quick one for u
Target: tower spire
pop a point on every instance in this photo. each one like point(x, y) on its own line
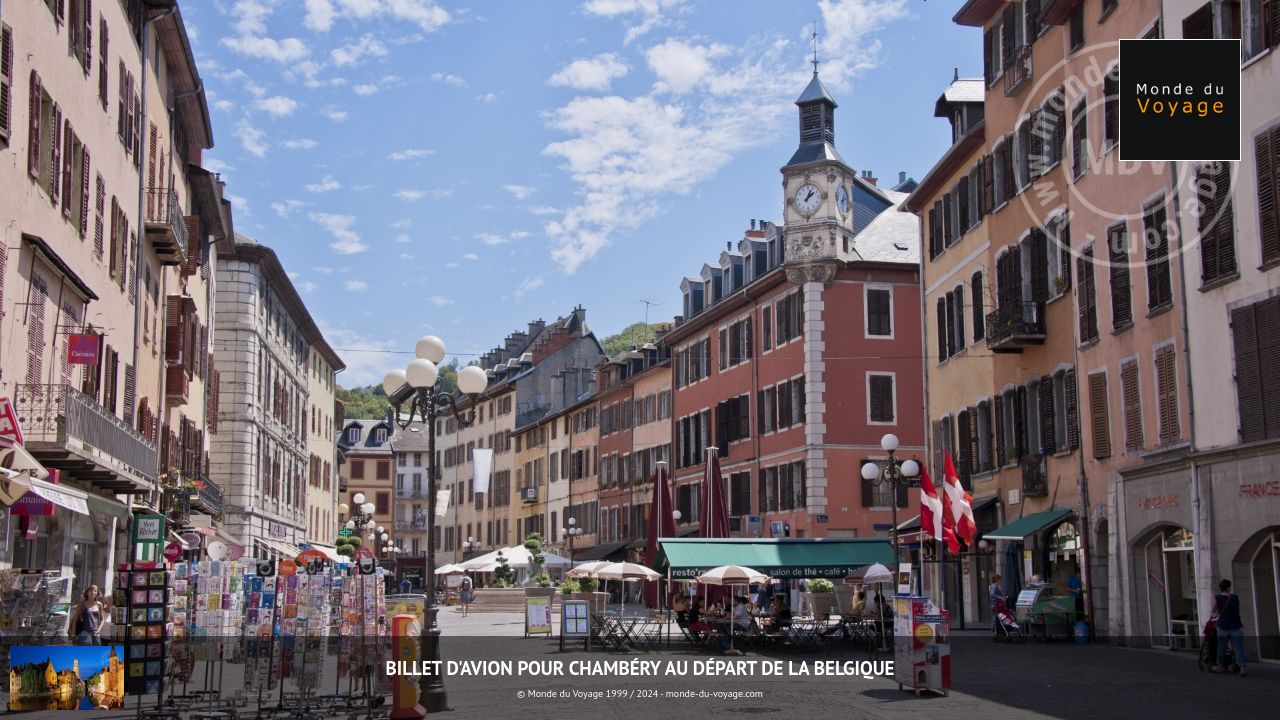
point(814, 38)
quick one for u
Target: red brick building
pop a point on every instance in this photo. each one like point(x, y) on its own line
point(800, 348)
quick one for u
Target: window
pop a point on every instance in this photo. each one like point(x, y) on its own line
point(1132, 402)
point(1099, 421)
point(975, 294)
point(1199, 24)
point(357, 469)
point(1266, 147)
point(1002, 166)
point(1107, 7)
point(1255, 333)
point(1167, 394)
point(1118, 254)
point(1266, 26)
point(974, 202)
point(6, 83)
point(957, 327)
point(1216, 222)
point(1022, 162)
point(789, 323)
point(1076, 28)
point(382, 503)
point(1079, 138)
point(735, 344)
point(733, 422)
point(1039, 409)
point(984, 436)
point(1111, 108)
point(881, 402)
point(766, 328)
point(740, 494)
point(1156, 234)
point(879, 312)
point(941, 330)
point(1087, 299)
point(1053, 129)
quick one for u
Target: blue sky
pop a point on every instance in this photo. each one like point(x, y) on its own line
point(431, 167)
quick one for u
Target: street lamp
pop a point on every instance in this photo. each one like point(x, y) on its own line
point(891, 474)
point(416, 384)
point(574, 531)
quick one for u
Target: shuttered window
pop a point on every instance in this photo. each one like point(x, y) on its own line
point(103, 85)
point(110, 365)
point(1266, 148)
point(942, 329)
point(130, 392)
point(988, 184)
point(1099, 421)
point(54, 178)
point(1111, 107)
point(1167, 395)
point(1216, 222)
point(38, 305)
point(964, 463)
point(1087, 298)
point(6, 82)
point(33, 126)
point(1079, 139)
point(880, 402)
point(1048, 438)
point(979, 316)
point(879, 318)
point(1156, 233)
point(1132, 401)
point(85, 171)
point(1121, 292)
point(4, 263)
point(1255, 333)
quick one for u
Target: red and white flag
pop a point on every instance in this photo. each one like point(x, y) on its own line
point(959, 505)
point(933, 519)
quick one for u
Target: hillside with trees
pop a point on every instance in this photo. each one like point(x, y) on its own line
point(631, 336)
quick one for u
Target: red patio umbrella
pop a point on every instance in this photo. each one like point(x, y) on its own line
point(661, 524)
point(713, 511)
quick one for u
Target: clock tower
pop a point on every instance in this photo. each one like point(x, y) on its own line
point(817, 188)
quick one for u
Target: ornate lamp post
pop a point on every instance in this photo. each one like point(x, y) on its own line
point(426, 402)
point(893, 472)
point(574, 531)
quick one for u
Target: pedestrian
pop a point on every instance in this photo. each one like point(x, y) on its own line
point(1076, 588)
point(1230, 627)
point(87, 618)
point(995, 593)
point(405, 586)
point(465, 594)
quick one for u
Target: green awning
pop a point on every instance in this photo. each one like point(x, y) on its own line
point(1022, 527)
point(99, 505)
point(688, 558)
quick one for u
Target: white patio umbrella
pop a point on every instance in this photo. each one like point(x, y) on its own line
point(451, 569)
point(732, 575)
point(588, 569)
point(626, 572)
point(876, 573)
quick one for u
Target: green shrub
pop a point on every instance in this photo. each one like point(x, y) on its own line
point(821, 585)
point(570, 586)
point(542, 580)
point(589, 584)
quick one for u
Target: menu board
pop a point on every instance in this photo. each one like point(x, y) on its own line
point(143, 613)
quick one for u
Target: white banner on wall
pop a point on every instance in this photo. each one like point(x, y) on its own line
point(442, 502)
point(482, 463)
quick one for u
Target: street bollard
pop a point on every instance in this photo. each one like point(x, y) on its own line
point(404, 648)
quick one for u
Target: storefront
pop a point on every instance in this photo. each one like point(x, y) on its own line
point(1038, 549)
point(1158, 559)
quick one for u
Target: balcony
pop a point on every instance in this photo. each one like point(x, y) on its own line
point(1035, 477)
point(177, 385)
point(411, 525)
point(1014, 326)
point(411, 493)
point(209, 497)
point(68, 430)
point(1019, 73)
point(166, 226)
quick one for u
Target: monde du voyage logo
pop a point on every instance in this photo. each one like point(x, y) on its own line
point(1180, 100)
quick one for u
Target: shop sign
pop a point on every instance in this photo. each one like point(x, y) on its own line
point(822, 519)
point(345, 532)
point(82, 349)
point(173, 552)
point(10, 429)
point(1262, 489)
point(148, 528)
point(1159, 502)
point(32, 505)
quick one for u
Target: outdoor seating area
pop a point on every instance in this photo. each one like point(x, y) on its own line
point(612, 632)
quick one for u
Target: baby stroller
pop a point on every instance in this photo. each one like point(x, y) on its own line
point(1209, 649)
point(1003, 626)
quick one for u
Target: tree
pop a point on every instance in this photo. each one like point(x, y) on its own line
point(503, 575)
point(631, 336)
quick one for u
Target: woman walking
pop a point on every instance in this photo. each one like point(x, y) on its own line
point(86, 620)
point(1230, 627)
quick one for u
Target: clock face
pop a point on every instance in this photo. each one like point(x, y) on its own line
point(808, 198)
point(842, 199)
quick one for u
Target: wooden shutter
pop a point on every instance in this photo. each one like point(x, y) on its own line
point(1132, 406)
point(131, 258)
point(1087, 298)
point(997, 422)
point(975, 445)
point(1248, 373)
point(964, 447)
point(1039, 265)
point(130, 392)
point(1033, 20)
point(109, 379)
point(66, 173)
point(1036, 163)
point(192, 265)
point(1167, 394)
point(1072, 400)
point(1020, 422)
point(87, 57)
point(153, 198)
point(6, 82)
point(1271, 22)
point(103, 81)
point(942, 329)
point(1159, 287)
point(1008, 26)
point(33, 132)
point(949, 327)
point(4, 262)
point(976, 297)
point(1266, 150)
point(55, 147)
point(122, 107)
point(1048, 441)
point(1216, 222)
point(99, 207)
point(988, 71)
point(35, 331)
point(1099, 421)
point(1121, 289)
point(84, 192)
point(1059, 103)
point(988, 183)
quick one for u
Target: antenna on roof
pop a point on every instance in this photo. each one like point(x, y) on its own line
point(814, 38)
point(647, 304)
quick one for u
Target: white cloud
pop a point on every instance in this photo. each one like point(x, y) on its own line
point(286, 208)
point(680, 65)
point(440, 300)
point(543, 210)
point(848, 44)
point(307, 286)
point(366, 357)
point(240, 203)
point(495, 239)
point(426, 14)
point(252, 139)
point(531, 283)
point(410, 154)
point(300, 144)
point(335, 114)
point(319, 15)
point(407, 256)
point(278, 105)
point(214, 165)
point(365, 89)
point(224, 105)
point(645, 14)
point(356, 285)
point(471, 256)
point(348, 240)
point(595, 73)
point(403, 238)
point(448, 79)
point(326, 184)
point(366, 46)
point(487, 97)
point(451, 264)
point(402, 223)
point(413, 194)
point(520, 191)
point(286, 50)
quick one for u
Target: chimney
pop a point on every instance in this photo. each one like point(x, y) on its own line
point(728, 245)
point(955, 74)
point(753, 223)
point(536, 327)
point(902, 177)
point(866, 175)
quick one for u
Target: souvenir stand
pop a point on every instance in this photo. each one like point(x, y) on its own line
point(362, 631)
point(143, 601)
point(208, 611)
point(33, 608)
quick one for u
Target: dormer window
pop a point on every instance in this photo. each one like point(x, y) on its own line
point(379, 435)
point(353, 435)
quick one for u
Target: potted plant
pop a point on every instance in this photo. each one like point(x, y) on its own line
point(1060, 284)
point(821, 597)
point(570, 587)
point(590, 592)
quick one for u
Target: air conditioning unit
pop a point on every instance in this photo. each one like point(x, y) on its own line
point(753, 526)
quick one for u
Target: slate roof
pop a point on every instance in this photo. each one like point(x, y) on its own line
point(814, 152)
point(965, 90)
point(815, 91)
point(364, 437)
point(892, 237)
point(411, 439)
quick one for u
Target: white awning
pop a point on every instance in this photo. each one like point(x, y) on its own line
point(61, 495)
point(329, 551)
point(281, 547)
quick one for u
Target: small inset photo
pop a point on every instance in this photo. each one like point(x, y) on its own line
point(1180, 100)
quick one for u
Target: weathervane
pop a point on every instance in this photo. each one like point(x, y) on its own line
point(814, 38)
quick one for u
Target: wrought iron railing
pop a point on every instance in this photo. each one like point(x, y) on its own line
point(1019, 72)
point(411, 525)
point(1012, 322)
point(1035, 477)
point(411, 493)
point(62, 414)
point(163, 208)
point(210, 495)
